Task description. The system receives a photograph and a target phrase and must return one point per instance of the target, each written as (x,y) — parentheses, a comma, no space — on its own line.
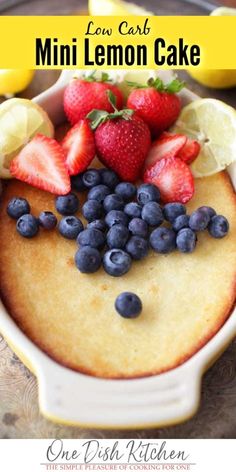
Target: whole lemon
(219,79)
(14,80)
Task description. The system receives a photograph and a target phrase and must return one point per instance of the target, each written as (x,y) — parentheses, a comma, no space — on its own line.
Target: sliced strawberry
(167,145)
(189,151)
(79,147)
(173,178)
(41,163)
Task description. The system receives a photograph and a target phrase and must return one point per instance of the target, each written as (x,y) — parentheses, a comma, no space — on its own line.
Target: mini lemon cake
(71,316)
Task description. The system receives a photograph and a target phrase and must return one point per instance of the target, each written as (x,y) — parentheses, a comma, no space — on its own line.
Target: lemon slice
(115,7)
(20,120)
(14,80)
(213,124)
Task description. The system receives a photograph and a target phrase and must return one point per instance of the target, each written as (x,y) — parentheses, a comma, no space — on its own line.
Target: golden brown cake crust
(71,316)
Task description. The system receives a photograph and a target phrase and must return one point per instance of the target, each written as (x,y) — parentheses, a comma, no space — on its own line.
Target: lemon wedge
(14,80)
(115,8)
(213,124)
(20,120)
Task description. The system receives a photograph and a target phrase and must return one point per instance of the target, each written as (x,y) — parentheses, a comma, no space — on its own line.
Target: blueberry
(88,259)
(162,240)
(128,305)
(138,227)
(91,237)
(99,193)
(218,226)
(67,204)
(199,220)
(98,224)
(126,190)
(116,262)
(109,178)
(91,178)
(148,193)
(27,226)
(116,216)
(17,207)
(47,220)
(77,183)
(137,247)
(209,210)
(92,210)
(70,226)
(152,214)
(113,202)
(182,221)
(172,210)
(186,240)
(117,236)
(133,210)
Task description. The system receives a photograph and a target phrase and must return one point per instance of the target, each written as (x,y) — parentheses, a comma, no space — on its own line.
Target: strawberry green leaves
(175,86)
(172,87)
(92,77)
(98,117)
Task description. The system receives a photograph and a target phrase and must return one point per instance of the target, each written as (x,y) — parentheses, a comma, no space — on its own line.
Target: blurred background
(160,7)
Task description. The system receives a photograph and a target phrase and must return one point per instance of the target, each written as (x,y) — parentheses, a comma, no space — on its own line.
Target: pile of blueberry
(124,221)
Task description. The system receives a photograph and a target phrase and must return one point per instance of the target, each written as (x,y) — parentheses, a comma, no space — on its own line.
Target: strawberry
(173,178)
(81,95)
(189,151)
(172,145)
(157,104)
(79,147)
(122,141)
(167,145)
(41,163)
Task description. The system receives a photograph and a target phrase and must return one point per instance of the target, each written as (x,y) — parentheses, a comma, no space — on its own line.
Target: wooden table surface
(19,413)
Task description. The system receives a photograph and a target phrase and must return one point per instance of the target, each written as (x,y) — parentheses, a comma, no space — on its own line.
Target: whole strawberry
(157,104)
(122,141)
(82,95)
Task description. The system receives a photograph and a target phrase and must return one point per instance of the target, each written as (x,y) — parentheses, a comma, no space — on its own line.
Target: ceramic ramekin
(74,398)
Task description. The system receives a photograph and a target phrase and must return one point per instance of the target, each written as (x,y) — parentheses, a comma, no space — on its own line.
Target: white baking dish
(73,398)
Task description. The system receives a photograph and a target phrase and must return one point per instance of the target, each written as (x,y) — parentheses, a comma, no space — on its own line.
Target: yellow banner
(77,42)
